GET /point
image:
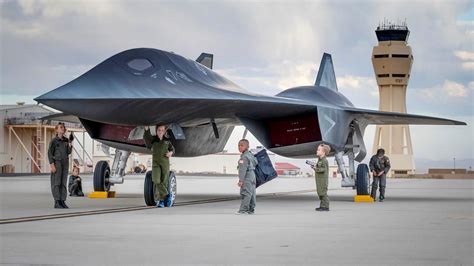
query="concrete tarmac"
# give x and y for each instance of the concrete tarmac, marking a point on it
(422, 222)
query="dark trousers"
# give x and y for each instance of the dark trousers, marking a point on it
(76, 188)
(59, 179)
(379, 181)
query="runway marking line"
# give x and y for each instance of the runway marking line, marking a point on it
(135, 208)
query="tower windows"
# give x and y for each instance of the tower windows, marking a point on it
(400, 55)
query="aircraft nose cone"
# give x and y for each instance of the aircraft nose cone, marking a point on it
(60, 98)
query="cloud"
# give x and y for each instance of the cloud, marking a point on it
(240, 34)
(362, 91)
(56, 9)
(466, 56)
(358, 84)
(468, 65)
(471, 85)
(274, 78)
(454, 89)
(442, 93)
(447, 98)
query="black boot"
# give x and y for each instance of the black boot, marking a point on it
(381, 198)
(373, 193)
(63, 204)
(57, 205)
(382, 194)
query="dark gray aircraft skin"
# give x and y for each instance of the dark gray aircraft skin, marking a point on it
(144, 86)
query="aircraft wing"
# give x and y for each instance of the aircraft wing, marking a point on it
(61, 117)
(391, 118)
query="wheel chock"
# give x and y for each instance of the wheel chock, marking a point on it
(101, 195)
(363, 198)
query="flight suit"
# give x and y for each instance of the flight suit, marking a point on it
(379, 164)
(58, 153)
(75, 186)
(246, 167)
(160, 163)
(321, 170)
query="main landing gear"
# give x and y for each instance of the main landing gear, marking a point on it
(150, 192)
(105, 177)
(359, 179)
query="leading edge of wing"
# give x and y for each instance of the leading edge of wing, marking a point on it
(393, 118)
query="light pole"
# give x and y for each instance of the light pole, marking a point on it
(454, 165)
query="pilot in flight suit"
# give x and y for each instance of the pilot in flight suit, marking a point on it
(161, 148)
(58, 155)
(321, 170)
(379, 166)
(247, 179)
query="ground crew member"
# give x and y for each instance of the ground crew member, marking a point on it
(58, 156)
(75, 183)
(379, 166)
(321, 170)
(247, 179)
(162, 151)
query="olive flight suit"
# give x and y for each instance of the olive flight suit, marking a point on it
(321, 170)
(248, 192)
(58, 153)
(379, 164)
(75, 186)
(160, 163)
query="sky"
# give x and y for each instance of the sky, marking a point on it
(265, 47)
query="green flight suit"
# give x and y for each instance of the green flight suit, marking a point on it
(379, 164)
(160, 163)
(248, 192)
(322, 179)
(58, 154)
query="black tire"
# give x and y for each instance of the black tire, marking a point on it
(172, 186)
(149, 190)
(101, 176)
(362, 181)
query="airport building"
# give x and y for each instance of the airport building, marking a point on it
(25, 138)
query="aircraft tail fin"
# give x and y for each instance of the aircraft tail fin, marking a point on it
(206, 59)
(326, 75)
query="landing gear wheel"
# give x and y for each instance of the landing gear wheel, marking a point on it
(101, 176)
(362, 181)
(172, 187)
(149, 192)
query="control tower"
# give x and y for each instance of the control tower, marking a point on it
(392, 59)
